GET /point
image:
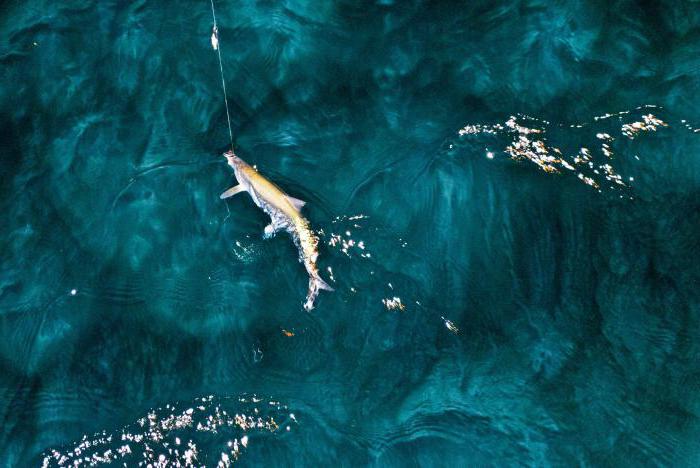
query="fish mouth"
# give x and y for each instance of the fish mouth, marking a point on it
(231, 157)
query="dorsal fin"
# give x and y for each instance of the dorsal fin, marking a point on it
(296, 203)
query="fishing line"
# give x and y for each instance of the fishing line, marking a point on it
(221, 69)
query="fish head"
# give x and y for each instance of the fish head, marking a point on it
(234, 161)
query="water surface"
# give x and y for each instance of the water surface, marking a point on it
(506, 194)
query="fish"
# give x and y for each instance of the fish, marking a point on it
(285, 215)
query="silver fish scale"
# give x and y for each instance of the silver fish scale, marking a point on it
(279, 221)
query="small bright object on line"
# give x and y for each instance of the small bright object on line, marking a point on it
(215, 38)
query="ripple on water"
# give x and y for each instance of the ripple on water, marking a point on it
(204, 302)
(63, 406)
(294, 348)
(125, 289)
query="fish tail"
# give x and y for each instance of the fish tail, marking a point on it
(322, 284)
(316, 283)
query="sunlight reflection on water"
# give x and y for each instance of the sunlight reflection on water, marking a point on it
(181, 434)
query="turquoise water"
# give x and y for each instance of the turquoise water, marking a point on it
(506, 193)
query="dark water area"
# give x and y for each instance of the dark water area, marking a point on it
(507, 196)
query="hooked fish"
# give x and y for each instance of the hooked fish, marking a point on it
(285, 214)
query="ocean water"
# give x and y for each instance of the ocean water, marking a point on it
(507, 196)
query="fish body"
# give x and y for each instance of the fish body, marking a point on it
(285, 214)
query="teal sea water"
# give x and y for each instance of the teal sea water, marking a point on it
(507, 196)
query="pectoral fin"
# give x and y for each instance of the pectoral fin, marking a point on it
(274, 226)
(269, 231)
(232, 191)
(296, 203)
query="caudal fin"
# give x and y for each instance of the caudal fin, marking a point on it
(316, 283)
(322, 284)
